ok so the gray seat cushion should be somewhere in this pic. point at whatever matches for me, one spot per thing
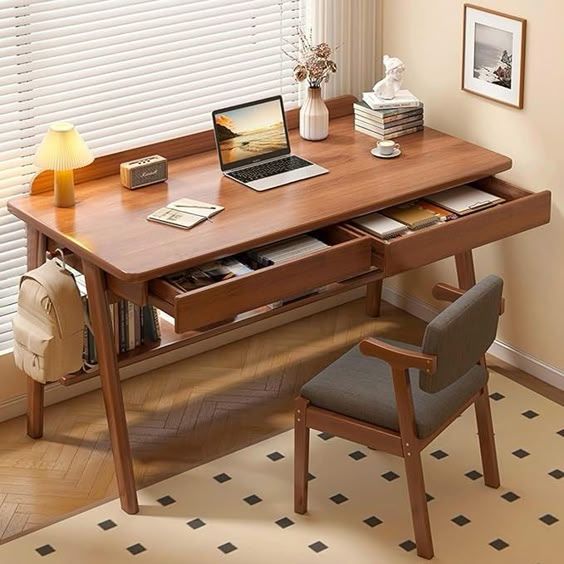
(361, 387)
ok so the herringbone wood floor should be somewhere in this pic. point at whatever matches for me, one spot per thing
(179, 416)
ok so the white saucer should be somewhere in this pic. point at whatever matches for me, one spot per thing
(376, 153)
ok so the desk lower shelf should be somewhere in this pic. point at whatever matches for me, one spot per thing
(170, 340)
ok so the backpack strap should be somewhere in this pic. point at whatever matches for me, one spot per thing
(63, 292)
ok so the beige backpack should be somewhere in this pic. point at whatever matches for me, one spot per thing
(49, 324)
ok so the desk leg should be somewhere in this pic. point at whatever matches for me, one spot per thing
(373, 298)
(36, 248)
(111, 386)
(465, 270)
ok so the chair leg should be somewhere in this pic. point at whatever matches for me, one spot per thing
(487, 441)
(418, 500)
(301, 456)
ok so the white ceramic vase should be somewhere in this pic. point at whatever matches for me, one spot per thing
(314, 116)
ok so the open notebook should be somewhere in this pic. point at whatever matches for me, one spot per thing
(185, 213)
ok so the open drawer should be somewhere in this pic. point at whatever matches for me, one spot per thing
(348, 255)
(522, 210)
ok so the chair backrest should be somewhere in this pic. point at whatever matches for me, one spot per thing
(462, 333)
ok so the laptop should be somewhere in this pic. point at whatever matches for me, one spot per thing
(253, 146)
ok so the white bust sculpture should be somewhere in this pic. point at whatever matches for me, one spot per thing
(389, 86)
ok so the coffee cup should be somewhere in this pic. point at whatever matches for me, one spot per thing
(387, 147)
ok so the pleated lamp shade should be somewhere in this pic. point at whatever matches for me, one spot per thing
(62, 148)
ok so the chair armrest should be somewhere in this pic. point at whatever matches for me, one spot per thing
(448, 293)
(398, 357)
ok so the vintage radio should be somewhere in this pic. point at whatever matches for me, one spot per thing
(142, 172)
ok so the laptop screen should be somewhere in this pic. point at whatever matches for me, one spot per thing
(251, 132)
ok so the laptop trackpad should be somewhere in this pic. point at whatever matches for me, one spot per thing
(286, 177)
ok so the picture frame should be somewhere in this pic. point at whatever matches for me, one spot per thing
(493, 55)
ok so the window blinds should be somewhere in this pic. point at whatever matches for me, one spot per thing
(126, 73)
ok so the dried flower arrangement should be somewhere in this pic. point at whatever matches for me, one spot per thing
(313, 62)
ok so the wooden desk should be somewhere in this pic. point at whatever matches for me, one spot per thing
(123, 255)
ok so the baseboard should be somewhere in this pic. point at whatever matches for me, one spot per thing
(55, 392)
(521, 360)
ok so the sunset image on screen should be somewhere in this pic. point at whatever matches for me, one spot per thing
(250, 132)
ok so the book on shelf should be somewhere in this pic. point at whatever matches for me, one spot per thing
(386, 136)
(412, 215)
(361, 108)
(133, 325)
(403, 99)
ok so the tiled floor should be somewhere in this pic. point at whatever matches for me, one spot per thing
(239, 507)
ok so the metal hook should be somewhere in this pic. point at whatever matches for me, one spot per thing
(62, 257)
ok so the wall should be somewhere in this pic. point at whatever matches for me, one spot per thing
(427, 36)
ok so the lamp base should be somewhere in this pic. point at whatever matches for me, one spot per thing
(64, 188)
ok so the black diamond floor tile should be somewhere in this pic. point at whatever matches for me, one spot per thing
(561, 432)
(196, 523)
(439, 454)
(496, 396)
(252, 499)
(221, 478)
(166, 500)
(556, 473)
(318, 546)
(284, 523)
(407, 545)
(460, 520)
(227, 547)
(135, 549)
(530, 414)
(510, 497)
(45, 550)
(548, 519)
(107, 525)
(520, 453)
(325, 436)
(357, 455)
(473, 474)
(275, 456)
(499, 544)
(429, 497)
(339, 498)
(372, 521)
(310, 477)
(390, 476)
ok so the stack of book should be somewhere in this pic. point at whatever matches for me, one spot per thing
(207, 274)
(133, 325)
(286, 250)
(388, 119)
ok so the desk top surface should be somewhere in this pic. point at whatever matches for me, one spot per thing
(108, 225)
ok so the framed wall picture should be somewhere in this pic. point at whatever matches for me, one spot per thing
(493, 63)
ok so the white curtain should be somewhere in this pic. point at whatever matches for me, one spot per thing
(126, 73)
(354, 26)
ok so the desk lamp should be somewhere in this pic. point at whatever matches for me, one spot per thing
(61, 151)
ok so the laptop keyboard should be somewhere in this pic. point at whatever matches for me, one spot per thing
(271, 168)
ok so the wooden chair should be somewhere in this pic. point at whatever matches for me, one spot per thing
(430, 386)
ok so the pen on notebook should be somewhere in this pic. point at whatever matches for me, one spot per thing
(189, 206)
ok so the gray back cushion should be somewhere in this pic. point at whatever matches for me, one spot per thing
(462, 333)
